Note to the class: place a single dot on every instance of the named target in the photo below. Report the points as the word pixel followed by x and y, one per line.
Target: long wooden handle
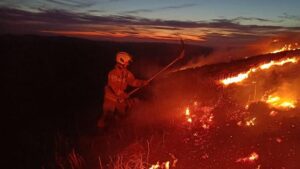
pixel 181 55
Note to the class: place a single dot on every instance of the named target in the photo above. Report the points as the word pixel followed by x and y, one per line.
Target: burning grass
pixel 242 76
pixel 181 144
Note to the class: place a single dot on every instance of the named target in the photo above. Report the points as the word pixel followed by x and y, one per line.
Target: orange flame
pixel 278 63
pixel 205 120
pixel 187 111
pixel 242 76
pixel 251 158
pixel 188 115
pixel 280 103
pixel 286 47
pixel 155 166
pixel 163 165
pixel 251 122
pixel 273 113
pixel 247 122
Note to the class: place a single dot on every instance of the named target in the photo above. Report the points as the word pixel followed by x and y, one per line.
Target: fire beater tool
pixel 180 56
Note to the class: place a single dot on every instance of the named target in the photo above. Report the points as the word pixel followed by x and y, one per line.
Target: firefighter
pixel 115 98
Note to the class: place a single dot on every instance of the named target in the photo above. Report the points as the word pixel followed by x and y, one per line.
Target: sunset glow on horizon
pixel 201 22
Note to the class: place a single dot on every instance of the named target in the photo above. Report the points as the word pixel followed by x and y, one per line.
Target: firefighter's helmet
pixel 123 58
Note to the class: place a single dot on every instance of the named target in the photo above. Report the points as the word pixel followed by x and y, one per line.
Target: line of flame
pixel 286 47
pixel 242 76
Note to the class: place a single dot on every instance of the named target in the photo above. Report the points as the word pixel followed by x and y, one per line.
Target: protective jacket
pixel 118 80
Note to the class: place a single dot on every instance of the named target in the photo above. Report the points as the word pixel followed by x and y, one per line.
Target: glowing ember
pixel 200 115
pixel 251 158
pixel 195 103
pixel 273 113
pixel 188 115
pixel 187 111
pixel 206 119
pixel 247 122
pixel 205 126
pixel 280 103
pixel 251 122
pixel 242 76
pixel 278 140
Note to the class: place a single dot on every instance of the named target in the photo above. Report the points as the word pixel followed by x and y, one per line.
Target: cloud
pixel 158 9
pixel 62 21
pixel 96 11
pixel 65 17
pixel 73 3
pixel 240 19
pixel 290 17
